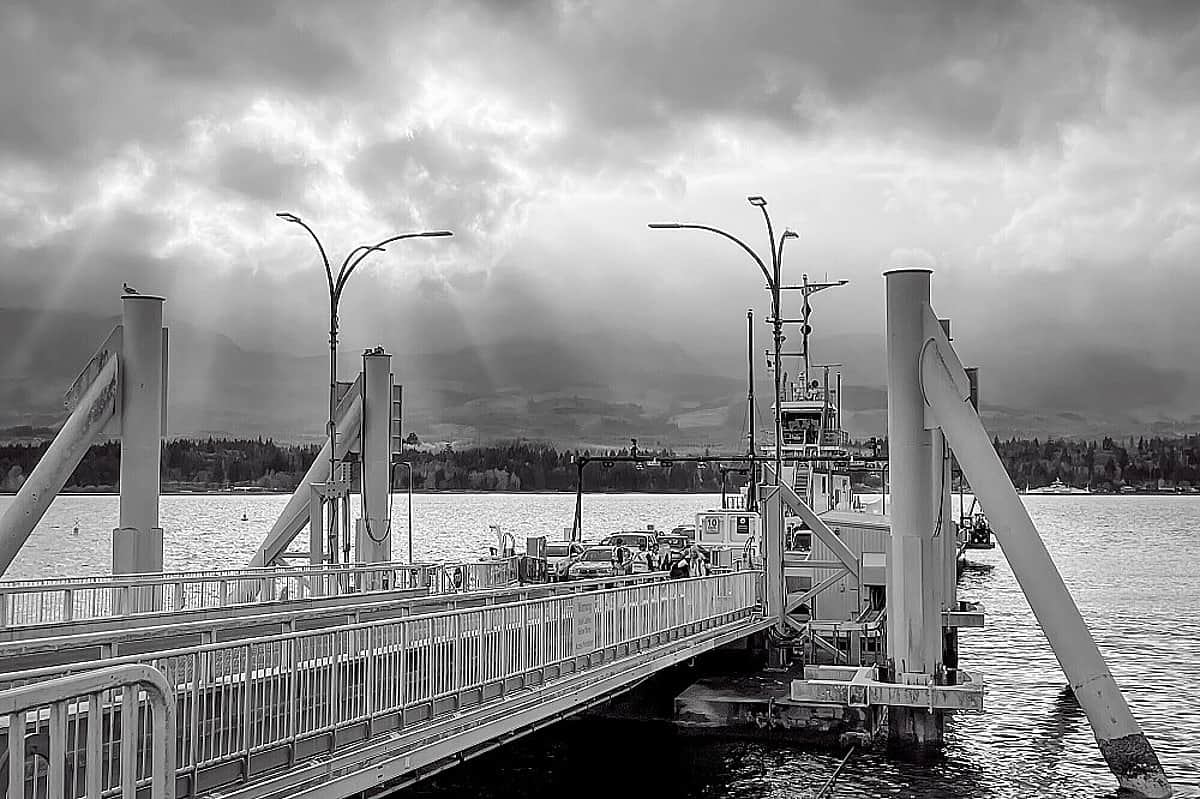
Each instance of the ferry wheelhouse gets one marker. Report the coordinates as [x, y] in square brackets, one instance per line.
[815, 447]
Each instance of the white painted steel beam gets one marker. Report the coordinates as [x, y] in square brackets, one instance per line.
[962, 618]
[818, 527]
[795, 600]
[1122, 743]
[296, 513]
[374, 544]
[54, 468]
[774, 586]
[862, 690]
[316, 526]
[800, 565]
[138, 540]
[914, 573]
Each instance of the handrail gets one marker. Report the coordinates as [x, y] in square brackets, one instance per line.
[237, 699]
[58, 705]
[242, 571]
[376, 602]
[43, 602]
[46, 672]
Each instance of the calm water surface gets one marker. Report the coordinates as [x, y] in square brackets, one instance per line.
[1132, 564]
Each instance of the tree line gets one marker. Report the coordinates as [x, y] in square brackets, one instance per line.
[1110, 464]
[213, 464]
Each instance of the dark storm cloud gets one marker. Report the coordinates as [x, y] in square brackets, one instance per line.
[153, 141]
[963, 70]
[95, 75]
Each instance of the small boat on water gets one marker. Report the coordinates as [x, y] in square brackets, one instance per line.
[977, 532]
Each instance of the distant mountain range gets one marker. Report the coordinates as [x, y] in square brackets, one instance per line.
[596, 389]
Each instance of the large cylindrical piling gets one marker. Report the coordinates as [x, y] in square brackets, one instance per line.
[137, 543]
[914, 571]
[374, 533]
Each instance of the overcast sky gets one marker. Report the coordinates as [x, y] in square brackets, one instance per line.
[1043, 157]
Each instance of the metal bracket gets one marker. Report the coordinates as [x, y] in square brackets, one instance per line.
[858, 687]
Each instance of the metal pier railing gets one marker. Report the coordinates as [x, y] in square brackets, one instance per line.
[25, 603]
[33, 647]
[102, 733]
[259, 707]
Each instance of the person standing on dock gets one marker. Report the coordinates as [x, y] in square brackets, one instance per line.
[697, 560]
[641, 560]
[659, 560]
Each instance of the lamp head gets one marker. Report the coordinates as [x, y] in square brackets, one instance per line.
[757, 201]
[790, 234]
[663, 225]
[288, 217]
[430, 234]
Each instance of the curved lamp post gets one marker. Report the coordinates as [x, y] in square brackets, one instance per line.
[773, 285]
[336, 286]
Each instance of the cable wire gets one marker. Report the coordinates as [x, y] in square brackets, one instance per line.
[829, 782]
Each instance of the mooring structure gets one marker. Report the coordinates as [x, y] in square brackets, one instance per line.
[929, 397]
[331, 679]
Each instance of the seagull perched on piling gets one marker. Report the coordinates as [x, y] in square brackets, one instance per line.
[128, 288]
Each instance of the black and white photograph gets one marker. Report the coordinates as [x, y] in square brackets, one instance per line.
[508, 399]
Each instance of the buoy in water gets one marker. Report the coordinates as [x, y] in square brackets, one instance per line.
[245, 518]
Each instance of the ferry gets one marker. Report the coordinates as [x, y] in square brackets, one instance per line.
[1057, 487]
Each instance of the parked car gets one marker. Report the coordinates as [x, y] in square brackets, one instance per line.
[599, 561]
[674, 542]
[632, 540]
[559, 557]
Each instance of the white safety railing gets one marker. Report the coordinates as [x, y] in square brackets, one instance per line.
[40, 602]
[460, 577]
[100, 733]
[239, 571]
[242, 698]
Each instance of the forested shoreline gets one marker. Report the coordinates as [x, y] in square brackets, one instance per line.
[213, 464]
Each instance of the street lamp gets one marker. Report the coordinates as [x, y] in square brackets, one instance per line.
[773, 285]
[336, 286]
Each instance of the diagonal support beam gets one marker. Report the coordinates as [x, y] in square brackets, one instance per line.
[796, 600]
[1122, 743]
[93, 410]
[296, 514]
[821, 530]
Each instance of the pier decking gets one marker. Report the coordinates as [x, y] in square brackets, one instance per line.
[354, 704]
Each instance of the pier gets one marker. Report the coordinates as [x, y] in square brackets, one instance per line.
[331, 671]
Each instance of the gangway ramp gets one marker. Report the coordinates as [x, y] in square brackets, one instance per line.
[30, 603]
[342, 710]
[39, 646]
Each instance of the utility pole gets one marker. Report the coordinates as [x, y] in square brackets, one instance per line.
[772, 276]
[336, 284]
